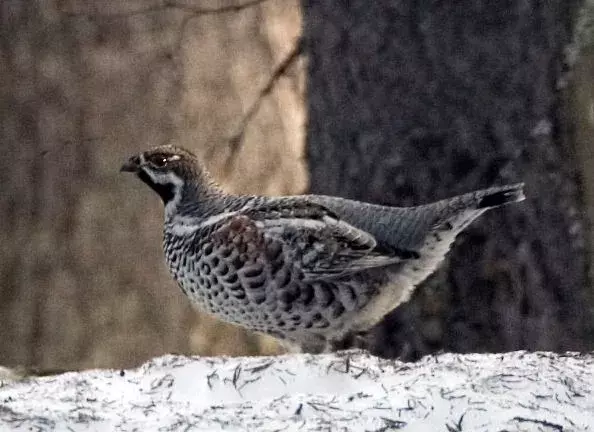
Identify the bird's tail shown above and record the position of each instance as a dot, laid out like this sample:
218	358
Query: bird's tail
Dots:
458	212
498	196
448	217
407	228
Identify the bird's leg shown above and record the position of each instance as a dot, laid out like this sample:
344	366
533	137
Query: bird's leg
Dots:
351	340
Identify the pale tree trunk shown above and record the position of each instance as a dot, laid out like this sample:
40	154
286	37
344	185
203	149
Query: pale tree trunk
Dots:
85	84
410	102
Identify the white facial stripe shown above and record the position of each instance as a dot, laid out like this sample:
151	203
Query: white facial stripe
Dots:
145	167
168	177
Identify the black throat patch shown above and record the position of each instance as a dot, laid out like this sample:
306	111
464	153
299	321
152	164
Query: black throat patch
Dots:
165	191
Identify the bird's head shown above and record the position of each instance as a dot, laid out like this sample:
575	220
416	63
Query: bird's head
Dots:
171	172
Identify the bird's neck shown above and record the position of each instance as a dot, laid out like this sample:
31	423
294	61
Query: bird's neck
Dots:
194	201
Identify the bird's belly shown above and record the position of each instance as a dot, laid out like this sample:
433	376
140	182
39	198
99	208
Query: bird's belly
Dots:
214	298
286	307
318	308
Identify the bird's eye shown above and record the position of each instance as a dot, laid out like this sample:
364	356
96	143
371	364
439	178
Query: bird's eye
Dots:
159	162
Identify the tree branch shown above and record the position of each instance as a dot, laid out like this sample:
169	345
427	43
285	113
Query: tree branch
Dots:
236	138
169	4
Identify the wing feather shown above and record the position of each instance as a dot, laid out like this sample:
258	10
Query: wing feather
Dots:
312	238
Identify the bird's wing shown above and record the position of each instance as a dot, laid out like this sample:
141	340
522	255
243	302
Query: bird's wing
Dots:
309	236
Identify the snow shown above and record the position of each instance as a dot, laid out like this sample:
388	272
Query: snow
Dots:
351	391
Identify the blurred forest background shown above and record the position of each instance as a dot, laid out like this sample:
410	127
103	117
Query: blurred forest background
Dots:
394	102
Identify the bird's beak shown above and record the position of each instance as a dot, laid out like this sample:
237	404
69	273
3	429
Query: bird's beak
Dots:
133	165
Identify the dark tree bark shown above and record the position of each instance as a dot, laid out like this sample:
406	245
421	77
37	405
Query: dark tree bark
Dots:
411	102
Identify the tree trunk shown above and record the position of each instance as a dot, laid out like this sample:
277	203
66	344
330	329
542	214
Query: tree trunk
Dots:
84	85
411	102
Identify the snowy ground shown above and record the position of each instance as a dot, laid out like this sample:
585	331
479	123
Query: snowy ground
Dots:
353	391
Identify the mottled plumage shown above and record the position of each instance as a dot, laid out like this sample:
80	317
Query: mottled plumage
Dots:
310	270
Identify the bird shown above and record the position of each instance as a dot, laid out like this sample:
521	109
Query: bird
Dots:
313	271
